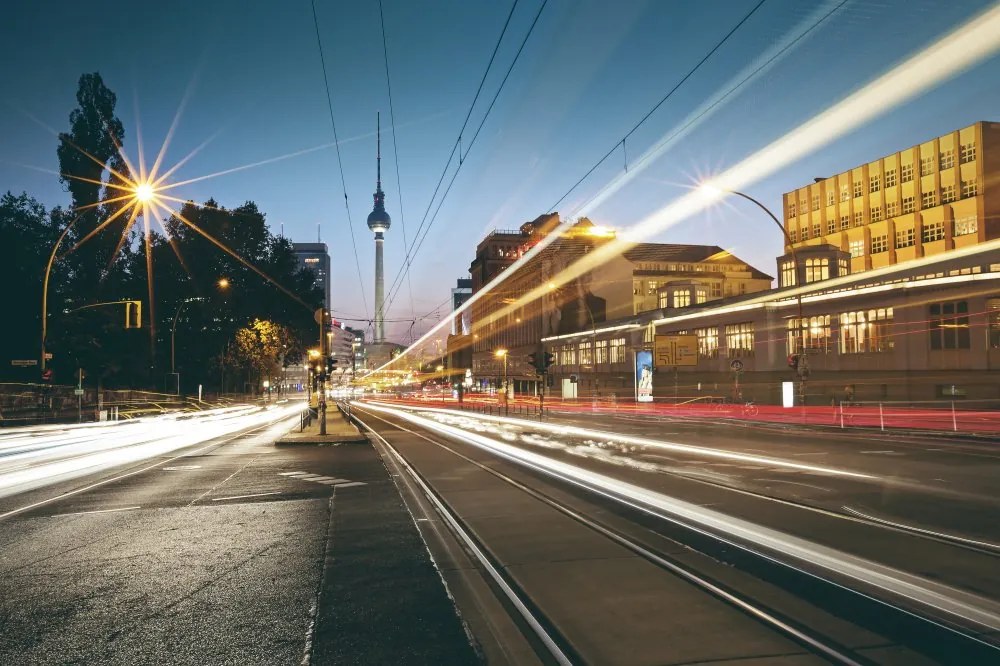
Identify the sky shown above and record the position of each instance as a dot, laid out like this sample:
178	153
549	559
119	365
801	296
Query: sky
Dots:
252	83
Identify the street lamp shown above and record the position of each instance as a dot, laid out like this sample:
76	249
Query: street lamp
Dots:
715	191
502	353
223	283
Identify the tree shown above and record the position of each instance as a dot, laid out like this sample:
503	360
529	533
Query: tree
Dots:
261	347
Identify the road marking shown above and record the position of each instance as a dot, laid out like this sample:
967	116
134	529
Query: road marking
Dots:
892	452
308	477
292	473
921	530
333	482
796	483
814	453
350	485
181	468
83	513
219	499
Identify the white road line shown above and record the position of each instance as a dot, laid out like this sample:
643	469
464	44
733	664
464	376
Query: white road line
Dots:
83	513
334	482
350	485
879	452
321	479
220	499
292	473
308	477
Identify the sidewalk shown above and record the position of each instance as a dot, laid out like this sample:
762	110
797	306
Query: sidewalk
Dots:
338	431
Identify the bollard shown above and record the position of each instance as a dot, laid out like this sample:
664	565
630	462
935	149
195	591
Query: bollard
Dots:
881	419
954	421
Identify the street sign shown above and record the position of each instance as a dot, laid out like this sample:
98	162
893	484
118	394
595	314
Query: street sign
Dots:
674	350
77	391
23	362
48	356
736	365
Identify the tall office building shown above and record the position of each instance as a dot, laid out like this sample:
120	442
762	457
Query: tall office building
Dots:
460	293
379	222
315	257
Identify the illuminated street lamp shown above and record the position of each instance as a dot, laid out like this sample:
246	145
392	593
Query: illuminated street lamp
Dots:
223	283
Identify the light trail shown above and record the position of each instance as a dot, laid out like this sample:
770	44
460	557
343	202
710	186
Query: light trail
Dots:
963	47
948	600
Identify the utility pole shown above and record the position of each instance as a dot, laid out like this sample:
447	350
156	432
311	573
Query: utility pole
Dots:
321	399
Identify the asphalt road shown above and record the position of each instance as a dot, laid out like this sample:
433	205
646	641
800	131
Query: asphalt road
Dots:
907	519
227	550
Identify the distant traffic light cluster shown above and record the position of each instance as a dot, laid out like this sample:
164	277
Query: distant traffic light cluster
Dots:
541	361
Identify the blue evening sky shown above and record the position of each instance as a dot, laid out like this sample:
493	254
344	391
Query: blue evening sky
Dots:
589	72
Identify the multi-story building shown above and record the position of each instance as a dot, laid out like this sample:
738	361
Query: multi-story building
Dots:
460	293
315	257
924	200
646	277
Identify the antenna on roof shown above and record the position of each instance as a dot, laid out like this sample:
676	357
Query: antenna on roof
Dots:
319	238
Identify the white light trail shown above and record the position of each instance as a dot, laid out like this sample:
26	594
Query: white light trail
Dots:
944	598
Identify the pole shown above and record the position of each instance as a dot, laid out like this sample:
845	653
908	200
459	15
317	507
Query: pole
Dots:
506	388
45	287
79	396
321	401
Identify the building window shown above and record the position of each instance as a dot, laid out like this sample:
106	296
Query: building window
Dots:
857	248
905	237
817	269
948	193
567	356
966	225
845	194
700	295
874	183
877	214
636	288
805	233
906	173
845	222
968	152
858	188
708	342
891	209
859	219
617	350
831	226
787	274
793	236
601	352
928	199
969	189
791	209
890	178
926	166
947	159
880	244
664	300
830	198
682	299
716	289
866	331
739	339
586	353
907	205
932	231
815	202
949	325
993	323
652	287
817	230
814	333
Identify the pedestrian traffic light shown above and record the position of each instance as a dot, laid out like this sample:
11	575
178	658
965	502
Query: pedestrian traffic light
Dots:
47	375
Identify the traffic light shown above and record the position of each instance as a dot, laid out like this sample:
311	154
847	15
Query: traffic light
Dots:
541	361
793	361
534	360
331	364
47	375
548	358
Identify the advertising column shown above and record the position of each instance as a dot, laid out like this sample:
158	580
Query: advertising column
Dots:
644	376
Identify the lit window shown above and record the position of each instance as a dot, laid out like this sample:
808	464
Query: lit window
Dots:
845	222
739	339
926	166
948	193
968	152
664	300
949	325
858	188
700	295
880	244
947	159
906	173
586	353
877	214
859	219
809	333
874	183
788	274
932	231
817	269
708	342
905	238
907	205
890	178
618	350
653	286
601	352
969	189
891	209
682	299
928	199
966	225
857	248
866	331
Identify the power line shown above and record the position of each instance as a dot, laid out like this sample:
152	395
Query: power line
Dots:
340	163
395	151
461	161
621	142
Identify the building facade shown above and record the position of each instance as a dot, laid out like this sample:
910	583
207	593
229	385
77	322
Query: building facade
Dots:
316	258
921	201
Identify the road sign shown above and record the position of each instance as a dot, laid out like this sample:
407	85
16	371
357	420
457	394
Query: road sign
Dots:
674	350
48	356
736	365
77	391
23	362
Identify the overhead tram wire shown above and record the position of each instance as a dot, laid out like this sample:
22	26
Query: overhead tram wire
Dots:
395	150
691	72
461	161
340	163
